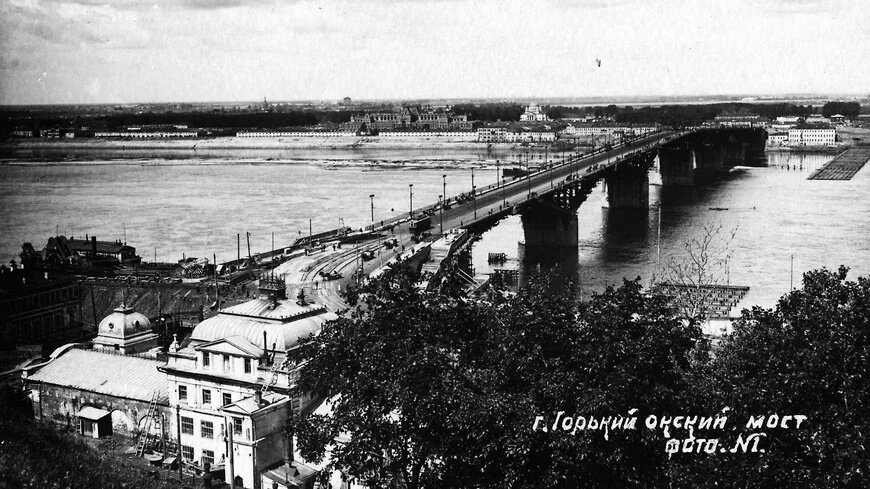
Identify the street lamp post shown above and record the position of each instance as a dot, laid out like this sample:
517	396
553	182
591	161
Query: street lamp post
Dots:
444	192
529	174
372	198
474	199
472	177
411	199
441	213
497	168
503	198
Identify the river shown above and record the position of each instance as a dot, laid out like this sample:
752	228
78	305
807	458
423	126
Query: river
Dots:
170	203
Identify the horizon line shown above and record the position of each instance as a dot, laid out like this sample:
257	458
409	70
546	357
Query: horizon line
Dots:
710	98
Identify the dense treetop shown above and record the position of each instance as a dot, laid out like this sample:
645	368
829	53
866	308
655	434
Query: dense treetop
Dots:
444	391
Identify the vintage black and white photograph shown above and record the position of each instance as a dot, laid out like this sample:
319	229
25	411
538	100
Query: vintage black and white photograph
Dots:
414	244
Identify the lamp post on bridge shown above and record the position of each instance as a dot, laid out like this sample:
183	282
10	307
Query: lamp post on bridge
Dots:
372	198
497	168
474	199
441	213
529	174
503	198
411	200
472	179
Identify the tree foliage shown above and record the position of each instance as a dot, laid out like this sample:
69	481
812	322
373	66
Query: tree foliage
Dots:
809	355
442	391
848	109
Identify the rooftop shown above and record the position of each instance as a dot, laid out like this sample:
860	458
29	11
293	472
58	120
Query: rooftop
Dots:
104	373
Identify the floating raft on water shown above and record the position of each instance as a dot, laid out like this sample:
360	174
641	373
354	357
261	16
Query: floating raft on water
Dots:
844	166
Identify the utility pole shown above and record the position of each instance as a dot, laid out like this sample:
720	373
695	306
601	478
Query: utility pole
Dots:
238	250
248	238
659	240
310	235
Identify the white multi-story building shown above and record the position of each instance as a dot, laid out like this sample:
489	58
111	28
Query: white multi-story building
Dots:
812	135
228	361
609	129
777	139
491	134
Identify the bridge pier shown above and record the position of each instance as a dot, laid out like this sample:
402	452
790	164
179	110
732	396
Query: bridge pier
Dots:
677	166
628	187
547	227
710	162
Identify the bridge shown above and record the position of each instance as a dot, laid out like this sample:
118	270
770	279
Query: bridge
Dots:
546	200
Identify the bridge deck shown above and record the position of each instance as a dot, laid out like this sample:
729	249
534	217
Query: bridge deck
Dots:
844	166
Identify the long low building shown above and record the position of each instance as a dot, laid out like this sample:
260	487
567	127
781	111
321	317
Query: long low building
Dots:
294	134
146	134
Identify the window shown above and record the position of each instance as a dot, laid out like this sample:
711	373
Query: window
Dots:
205	359
228	398
187	453
187	427
207	457
226	363
206	396
182	393
237	426
207	429
247	365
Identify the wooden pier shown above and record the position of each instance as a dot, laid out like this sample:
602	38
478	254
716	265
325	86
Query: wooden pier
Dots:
844	166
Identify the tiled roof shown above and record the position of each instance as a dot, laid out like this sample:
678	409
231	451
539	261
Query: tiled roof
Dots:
106	373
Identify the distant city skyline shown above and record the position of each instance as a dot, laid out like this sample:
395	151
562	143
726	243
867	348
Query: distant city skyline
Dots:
130	51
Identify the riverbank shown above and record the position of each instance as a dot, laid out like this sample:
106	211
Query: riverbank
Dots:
806	149
279	143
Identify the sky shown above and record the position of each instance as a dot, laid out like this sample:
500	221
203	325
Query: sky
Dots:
129	51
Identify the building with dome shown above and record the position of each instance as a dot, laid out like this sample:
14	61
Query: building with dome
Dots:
533	113
239	358
125	331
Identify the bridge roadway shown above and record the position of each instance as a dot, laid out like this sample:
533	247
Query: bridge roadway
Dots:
491	202
500	200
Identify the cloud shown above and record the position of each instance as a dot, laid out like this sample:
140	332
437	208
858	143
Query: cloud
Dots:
800	6
148	5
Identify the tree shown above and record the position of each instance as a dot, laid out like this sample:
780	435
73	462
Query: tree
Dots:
848	109
442	391
807	356
693	277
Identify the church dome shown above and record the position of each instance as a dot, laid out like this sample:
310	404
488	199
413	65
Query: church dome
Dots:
124	322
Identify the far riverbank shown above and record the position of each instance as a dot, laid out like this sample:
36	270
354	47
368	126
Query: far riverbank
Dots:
339	142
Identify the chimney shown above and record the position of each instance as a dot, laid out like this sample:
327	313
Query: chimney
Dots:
265	346
258	398
94	245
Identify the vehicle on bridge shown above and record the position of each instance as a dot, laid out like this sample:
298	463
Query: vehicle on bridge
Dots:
421	224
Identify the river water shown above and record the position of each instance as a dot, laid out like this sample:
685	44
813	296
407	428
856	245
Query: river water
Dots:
171	203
